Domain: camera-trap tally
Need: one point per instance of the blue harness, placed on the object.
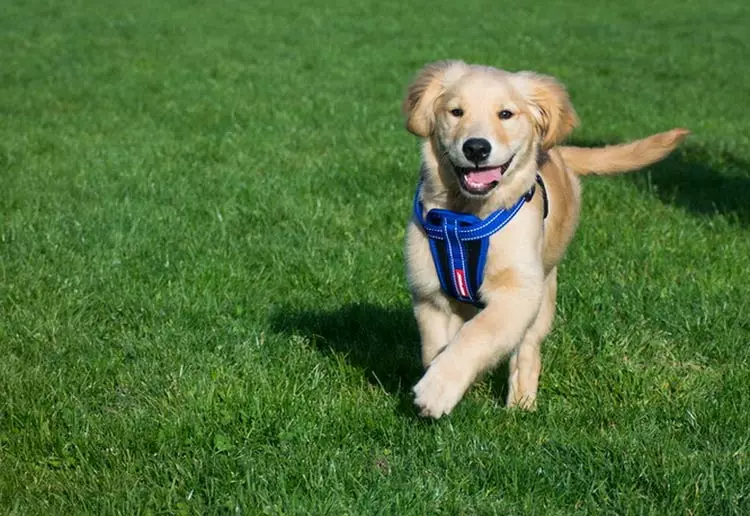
(459, 243)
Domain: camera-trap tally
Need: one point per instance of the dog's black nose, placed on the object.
(477, 150)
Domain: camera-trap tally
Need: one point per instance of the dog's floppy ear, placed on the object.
(430, 83)
(550, 106)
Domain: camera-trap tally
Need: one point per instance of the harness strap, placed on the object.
(543, 189)
(459, 243)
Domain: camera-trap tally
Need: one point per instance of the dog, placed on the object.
(491, 151)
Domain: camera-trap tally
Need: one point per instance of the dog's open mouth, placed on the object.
(481, 180)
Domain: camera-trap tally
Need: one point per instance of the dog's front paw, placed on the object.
(440, 389)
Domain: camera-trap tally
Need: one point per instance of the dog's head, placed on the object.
(486, 123)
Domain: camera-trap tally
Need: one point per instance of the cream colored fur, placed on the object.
(459, 342)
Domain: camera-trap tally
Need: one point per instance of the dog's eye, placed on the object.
(505, 114)
(458, 112)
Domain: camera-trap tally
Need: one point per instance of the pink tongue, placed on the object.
(484, 177)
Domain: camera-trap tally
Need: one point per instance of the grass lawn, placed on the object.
(202, 300)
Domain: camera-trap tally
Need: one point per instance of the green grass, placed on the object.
(202, 299)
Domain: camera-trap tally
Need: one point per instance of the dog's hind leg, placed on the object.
(526, 362)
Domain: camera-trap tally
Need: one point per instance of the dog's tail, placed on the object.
(622, 158)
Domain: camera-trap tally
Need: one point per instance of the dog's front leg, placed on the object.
(526, 361)
(437, 327)
(479, 344)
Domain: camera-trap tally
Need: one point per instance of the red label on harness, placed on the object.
(463, 289)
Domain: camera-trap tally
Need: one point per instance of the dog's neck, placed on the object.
(441, 189)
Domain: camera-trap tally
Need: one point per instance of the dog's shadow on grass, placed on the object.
(382, 342)
(700, 180)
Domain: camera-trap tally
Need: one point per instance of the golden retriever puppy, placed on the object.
(482, 293)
